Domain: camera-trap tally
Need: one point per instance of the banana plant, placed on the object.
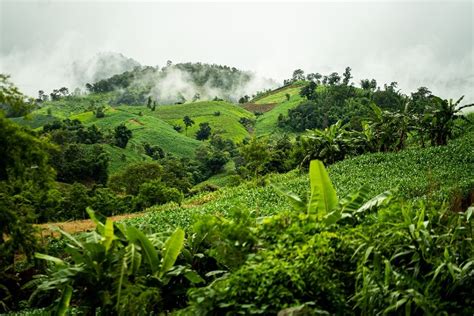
(323, 202)
(112, 262)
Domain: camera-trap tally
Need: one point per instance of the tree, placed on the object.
(122, 135)
(439, 119)
(369, 85)
(244, 99)
(12, 101)
(212, 159)
(314, 77)
(156, 192)
(64, 91)
(196, 97)
(148, 104)
(255, 155)
(81, 163)
(155, 152)
(188, 122)
(129, 179)
(287, 96)
(26, 179)
(99, 112)
(178, 128)
(204, 131)
(346, 76)
(309, 91)
(298, 75)
(329, 145)
(333, 79)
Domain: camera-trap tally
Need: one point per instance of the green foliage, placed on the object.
(25, 180)
(212, 159)
(332, 144)
(439, 120)
(12, 102)
(343, 257)
(155, 192)
(129, 180)
(122, 134)
(204, 131)
(116, 269)
(188, 122)
(262, 155)
(81, 163)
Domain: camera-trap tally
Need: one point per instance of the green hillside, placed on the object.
(267, 123)
(120, 158)
(145, 128)
(279, 95)
(226, 124)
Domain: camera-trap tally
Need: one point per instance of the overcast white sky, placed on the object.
(419, 43)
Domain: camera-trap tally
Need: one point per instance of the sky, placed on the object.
(422, 43)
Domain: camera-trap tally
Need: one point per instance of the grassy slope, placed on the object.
(120, 158)
(145, 128)
(267, 123)
(227, 123)
(279, 95)
(430, 172)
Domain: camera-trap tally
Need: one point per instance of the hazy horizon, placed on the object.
(414, 43)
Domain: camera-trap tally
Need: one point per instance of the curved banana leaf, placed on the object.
(172, 248)
(323, 197)
(150, 251)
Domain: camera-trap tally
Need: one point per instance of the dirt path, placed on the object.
(77, 226)
(47, 229)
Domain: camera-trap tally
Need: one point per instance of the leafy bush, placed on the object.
(129, 180)
(116, 269)
(156, 192)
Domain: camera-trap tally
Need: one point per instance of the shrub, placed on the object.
(116, 269)
(156, 192)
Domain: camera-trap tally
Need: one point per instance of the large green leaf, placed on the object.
(293, 199)
(172, 248)
(150, 251)
(100, 226)
(374, 202)
(55, 260)
(109, 235)
(65, 300)
(323, 197)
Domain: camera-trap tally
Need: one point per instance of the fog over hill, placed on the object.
(415, 43)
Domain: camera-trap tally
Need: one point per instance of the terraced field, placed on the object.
(226, 123)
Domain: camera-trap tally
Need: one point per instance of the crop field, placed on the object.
(226, 124)
(279, 95)
(267, 123)
(435, 173)
(145, 128)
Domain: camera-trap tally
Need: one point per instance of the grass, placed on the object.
(267, 124)
(437, 173)
(120, 158)
(279, 95)
(145, 128)
(226, 124)
(34, 120)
